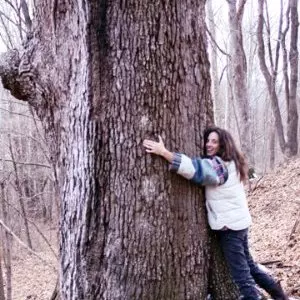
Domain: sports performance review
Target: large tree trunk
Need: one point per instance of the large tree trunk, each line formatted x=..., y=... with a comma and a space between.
x=103, y=76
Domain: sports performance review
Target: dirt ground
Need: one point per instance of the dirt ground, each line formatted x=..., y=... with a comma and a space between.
x=275, y=206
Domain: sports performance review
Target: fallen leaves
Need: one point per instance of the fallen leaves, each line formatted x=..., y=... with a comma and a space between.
x=275, y=233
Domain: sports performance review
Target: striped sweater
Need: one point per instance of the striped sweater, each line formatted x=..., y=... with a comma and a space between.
x=226, y=201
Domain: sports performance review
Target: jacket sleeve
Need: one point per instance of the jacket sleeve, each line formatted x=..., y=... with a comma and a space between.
x=203, y=171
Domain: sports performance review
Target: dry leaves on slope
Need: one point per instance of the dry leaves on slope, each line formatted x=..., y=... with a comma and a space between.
x=275, y=233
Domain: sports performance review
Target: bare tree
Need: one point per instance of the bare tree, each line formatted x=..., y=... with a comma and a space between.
x=2, y=296
x=21, y=196
x=218, y=101
x=292, y=126
x=290, y=146
x=31, y=185
x=6, y=243
x=239, y=76
x=14, y=18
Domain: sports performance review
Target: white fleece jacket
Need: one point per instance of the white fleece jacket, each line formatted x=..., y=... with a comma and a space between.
x=227, y=204
x=226, y=201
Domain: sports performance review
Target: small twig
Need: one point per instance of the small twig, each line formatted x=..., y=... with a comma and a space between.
x=27, y=163
x=294, y=227
x=11, y=5
x=270, y=262
x=8, y=18
x=256, y=184
x=279, y=264
x=15, y=113
x=222, y=73
x=18, y=102
x=215, y=43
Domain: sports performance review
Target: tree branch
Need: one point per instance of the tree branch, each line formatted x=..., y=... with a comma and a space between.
x=240, y=10
x=9, y=19
x=7, y=32
x=4, y=41
x=12, y=6
x=215, y=43
x=15, y=113
x=25, y=12
x=27, y=164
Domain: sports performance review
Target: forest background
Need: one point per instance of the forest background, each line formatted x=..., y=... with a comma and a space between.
x=253, y=54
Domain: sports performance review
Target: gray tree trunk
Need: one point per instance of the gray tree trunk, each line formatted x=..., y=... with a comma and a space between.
x=103, y=76
x=7, y=244
x=2, y=199
x=20, y=195
x=272, y=147
x=2, y=296
x=292, y=128
x=219, y=103
x=239, y=77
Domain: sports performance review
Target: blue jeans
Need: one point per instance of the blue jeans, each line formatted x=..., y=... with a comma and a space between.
x=244, y=271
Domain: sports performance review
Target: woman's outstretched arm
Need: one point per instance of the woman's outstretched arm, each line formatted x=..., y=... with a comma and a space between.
x=201, y=171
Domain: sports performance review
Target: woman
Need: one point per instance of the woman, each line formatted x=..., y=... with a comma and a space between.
x=222, y=171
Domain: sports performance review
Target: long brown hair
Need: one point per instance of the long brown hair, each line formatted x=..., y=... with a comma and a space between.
x=228, y=150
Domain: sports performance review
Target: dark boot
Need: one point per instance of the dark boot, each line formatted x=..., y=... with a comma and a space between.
x=277, y=292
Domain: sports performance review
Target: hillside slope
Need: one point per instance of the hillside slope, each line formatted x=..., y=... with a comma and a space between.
x=274, y=237
x=275, y=234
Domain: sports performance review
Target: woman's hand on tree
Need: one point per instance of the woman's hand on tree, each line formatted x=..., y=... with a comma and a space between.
x=155, y=147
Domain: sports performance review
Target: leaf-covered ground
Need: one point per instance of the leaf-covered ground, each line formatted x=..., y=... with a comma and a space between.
x=34, y=278
x=274, y=237
x=275, y=233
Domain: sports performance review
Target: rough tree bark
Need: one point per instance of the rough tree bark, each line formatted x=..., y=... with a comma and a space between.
x=102, y=76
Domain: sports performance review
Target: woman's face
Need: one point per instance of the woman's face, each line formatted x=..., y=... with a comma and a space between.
x=212, y=144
